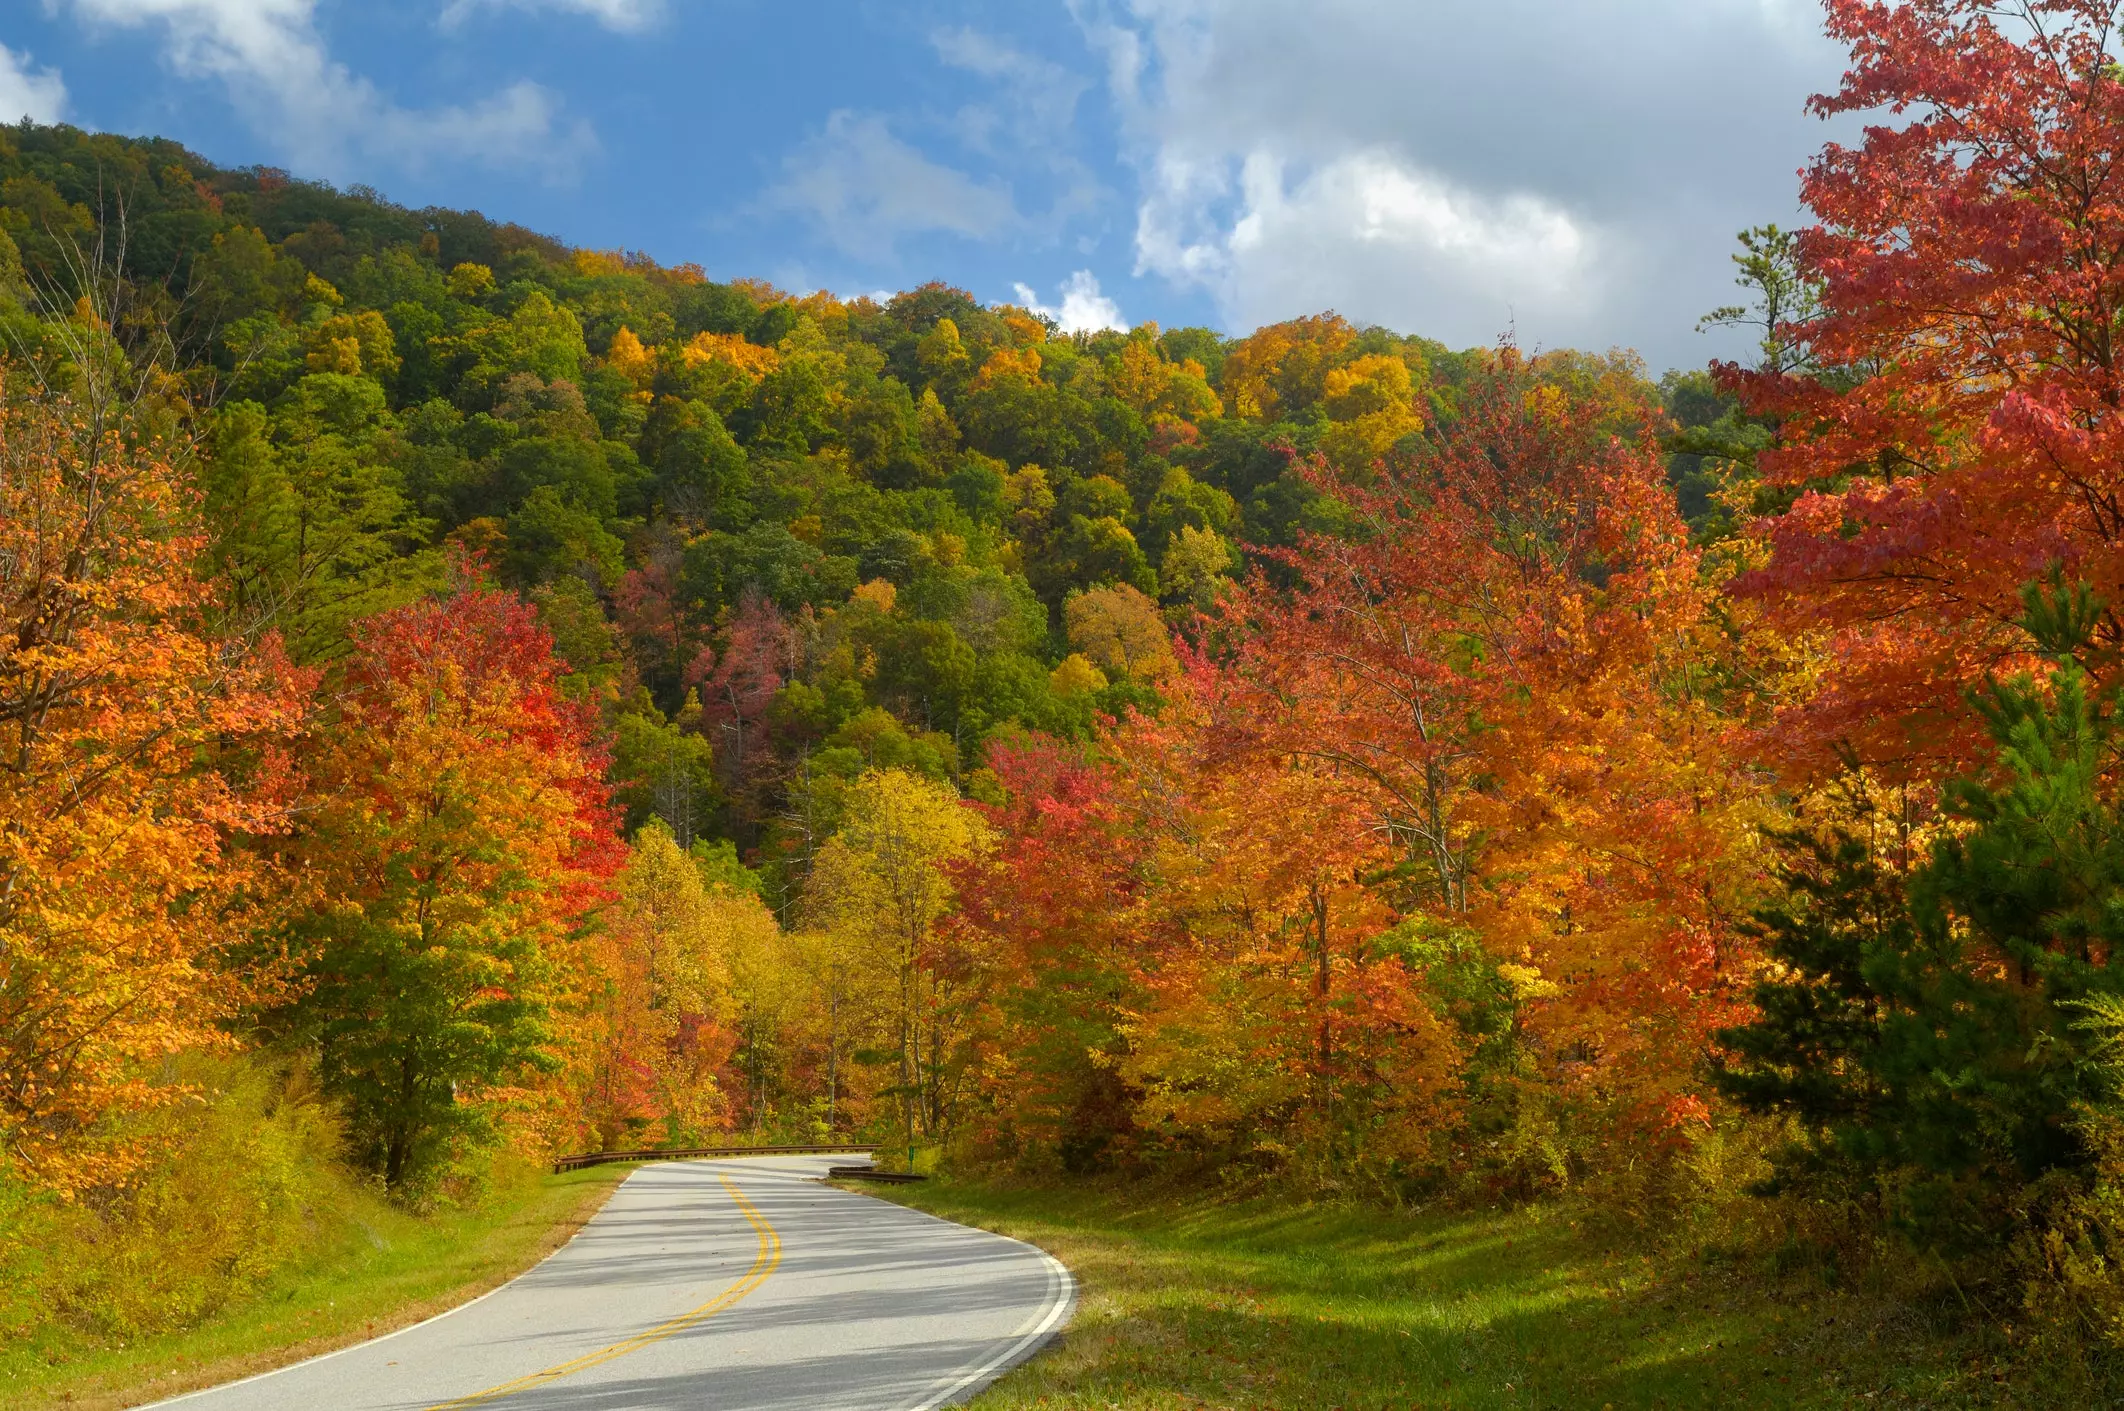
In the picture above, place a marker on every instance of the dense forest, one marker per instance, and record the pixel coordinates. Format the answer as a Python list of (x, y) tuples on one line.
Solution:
[(464, 694)]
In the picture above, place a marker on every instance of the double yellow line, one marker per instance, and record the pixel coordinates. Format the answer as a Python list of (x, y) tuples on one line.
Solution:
[(763, 1264)]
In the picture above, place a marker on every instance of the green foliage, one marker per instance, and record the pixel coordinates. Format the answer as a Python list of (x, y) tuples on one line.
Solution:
[(662, 770), (1927, 1033)]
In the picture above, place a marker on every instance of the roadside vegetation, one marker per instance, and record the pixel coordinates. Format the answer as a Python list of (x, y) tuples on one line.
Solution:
[(249, 1249), (1219, 1299)]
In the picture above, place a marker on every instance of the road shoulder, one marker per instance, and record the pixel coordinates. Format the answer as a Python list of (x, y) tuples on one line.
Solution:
[(431, 1267)]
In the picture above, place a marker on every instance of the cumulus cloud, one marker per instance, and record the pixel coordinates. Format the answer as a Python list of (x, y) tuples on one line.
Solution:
[(623, 16), (1576, 168), (270, 58), (861, 188), (1083, 309), (39, 95)]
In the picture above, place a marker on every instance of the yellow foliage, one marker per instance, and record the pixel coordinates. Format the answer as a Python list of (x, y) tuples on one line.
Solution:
[(760, 292), (470, 281), (1198, 563), (1007, 365), (1373, 383), (1189, 396), (1371, 404), (882, 883), (1281, 370), (1119, 629), (729, 350), (1027, 500), (1076, 676), (822, 308), (630, 359), (592, 263), (352, 344), (879, 593), (1025, 330), (1141, 376), (239, 1179), (941, 354)]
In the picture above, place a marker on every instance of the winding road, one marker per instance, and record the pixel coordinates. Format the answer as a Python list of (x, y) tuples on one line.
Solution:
[(730, 1285)]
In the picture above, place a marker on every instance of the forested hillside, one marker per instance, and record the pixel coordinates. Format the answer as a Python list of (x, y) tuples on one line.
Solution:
[(467, 695), (779, 548)]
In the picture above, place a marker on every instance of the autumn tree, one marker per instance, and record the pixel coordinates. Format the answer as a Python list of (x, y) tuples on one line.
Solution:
[(457, 832), (1516, 655), (1949, 411), (1926, 1029), (1054, 899), (135, 738), (883, 882), (659, 996), (1272, 1007), (1119, 630)]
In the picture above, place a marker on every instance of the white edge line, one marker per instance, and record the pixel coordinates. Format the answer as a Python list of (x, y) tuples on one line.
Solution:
[(1058, 1276), (396, 1332), (447, 1312), (1032, 1341), (1062, 1291)]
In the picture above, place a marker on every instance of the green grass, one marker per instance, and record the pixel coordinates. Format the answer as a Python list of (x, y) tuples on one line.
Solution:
[(381, 1269), (1196, 1301)]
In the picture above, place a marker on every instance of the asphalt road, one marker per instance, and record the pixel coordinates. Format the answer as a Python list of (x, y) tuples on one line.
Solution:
[(732, 1285)]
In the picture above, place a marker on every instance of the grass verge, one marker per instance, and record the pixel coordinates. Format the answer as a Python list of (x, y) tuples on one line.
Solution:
[(1200, 1301), (387, 1270)]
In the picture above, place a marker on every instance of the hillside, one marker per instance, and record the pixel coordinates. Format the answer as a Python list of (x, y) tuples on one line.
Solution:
[(694, 479)]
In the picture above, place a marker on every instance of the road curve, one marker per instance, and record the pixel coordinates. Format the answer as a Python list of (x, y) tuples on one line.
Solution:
[(734, 1285)]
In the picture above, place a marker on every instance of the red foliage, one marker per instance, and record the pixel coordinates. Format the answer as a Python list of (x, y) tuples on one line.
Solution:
[(1965, 433)]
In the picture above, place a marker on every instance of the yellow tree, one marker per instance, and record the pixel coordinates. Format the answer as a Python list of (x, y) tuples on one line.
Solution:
[(1371, 404), (883, 882), (1120, 631), (660, 997)]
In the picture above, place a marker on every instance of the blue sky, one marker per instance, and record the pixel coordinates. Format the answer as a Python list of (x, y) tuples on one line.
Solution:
[(1571, 170)]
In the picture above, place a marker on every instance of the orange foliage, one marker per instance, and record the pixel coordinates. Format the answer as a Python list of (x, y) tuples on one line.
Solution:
[(135, 740), (457, 834), (1516, 661), (1008, 365)]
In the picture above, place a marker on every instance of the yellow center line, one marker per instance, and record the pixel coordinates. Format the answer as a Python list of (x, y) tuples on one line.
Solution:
[(764, 1264)]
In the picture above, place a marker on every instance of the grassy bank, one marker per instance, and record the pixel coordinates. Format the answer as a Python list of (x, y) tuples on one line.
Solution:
[(1192, 1301), (375, 1268)]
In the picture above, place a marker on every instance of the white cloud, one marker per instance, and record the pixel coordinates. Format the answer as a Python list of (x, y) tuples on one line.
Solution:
[(622, 16), (1037, 98), (1084, 309), (862, 188), (40, 95), (1576, 168), (272, 61), (1028, 121), (1410, 248)]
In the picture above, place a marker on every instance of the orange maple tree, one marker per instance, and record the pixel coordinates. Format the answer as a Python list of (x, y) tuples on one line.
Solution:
[(135, 738), (1513, 664)]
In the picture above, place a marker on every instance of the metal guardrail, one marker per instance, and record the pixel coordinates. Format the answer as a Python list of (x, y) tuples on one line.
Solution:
[(872, 1173), (607, 1158)]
